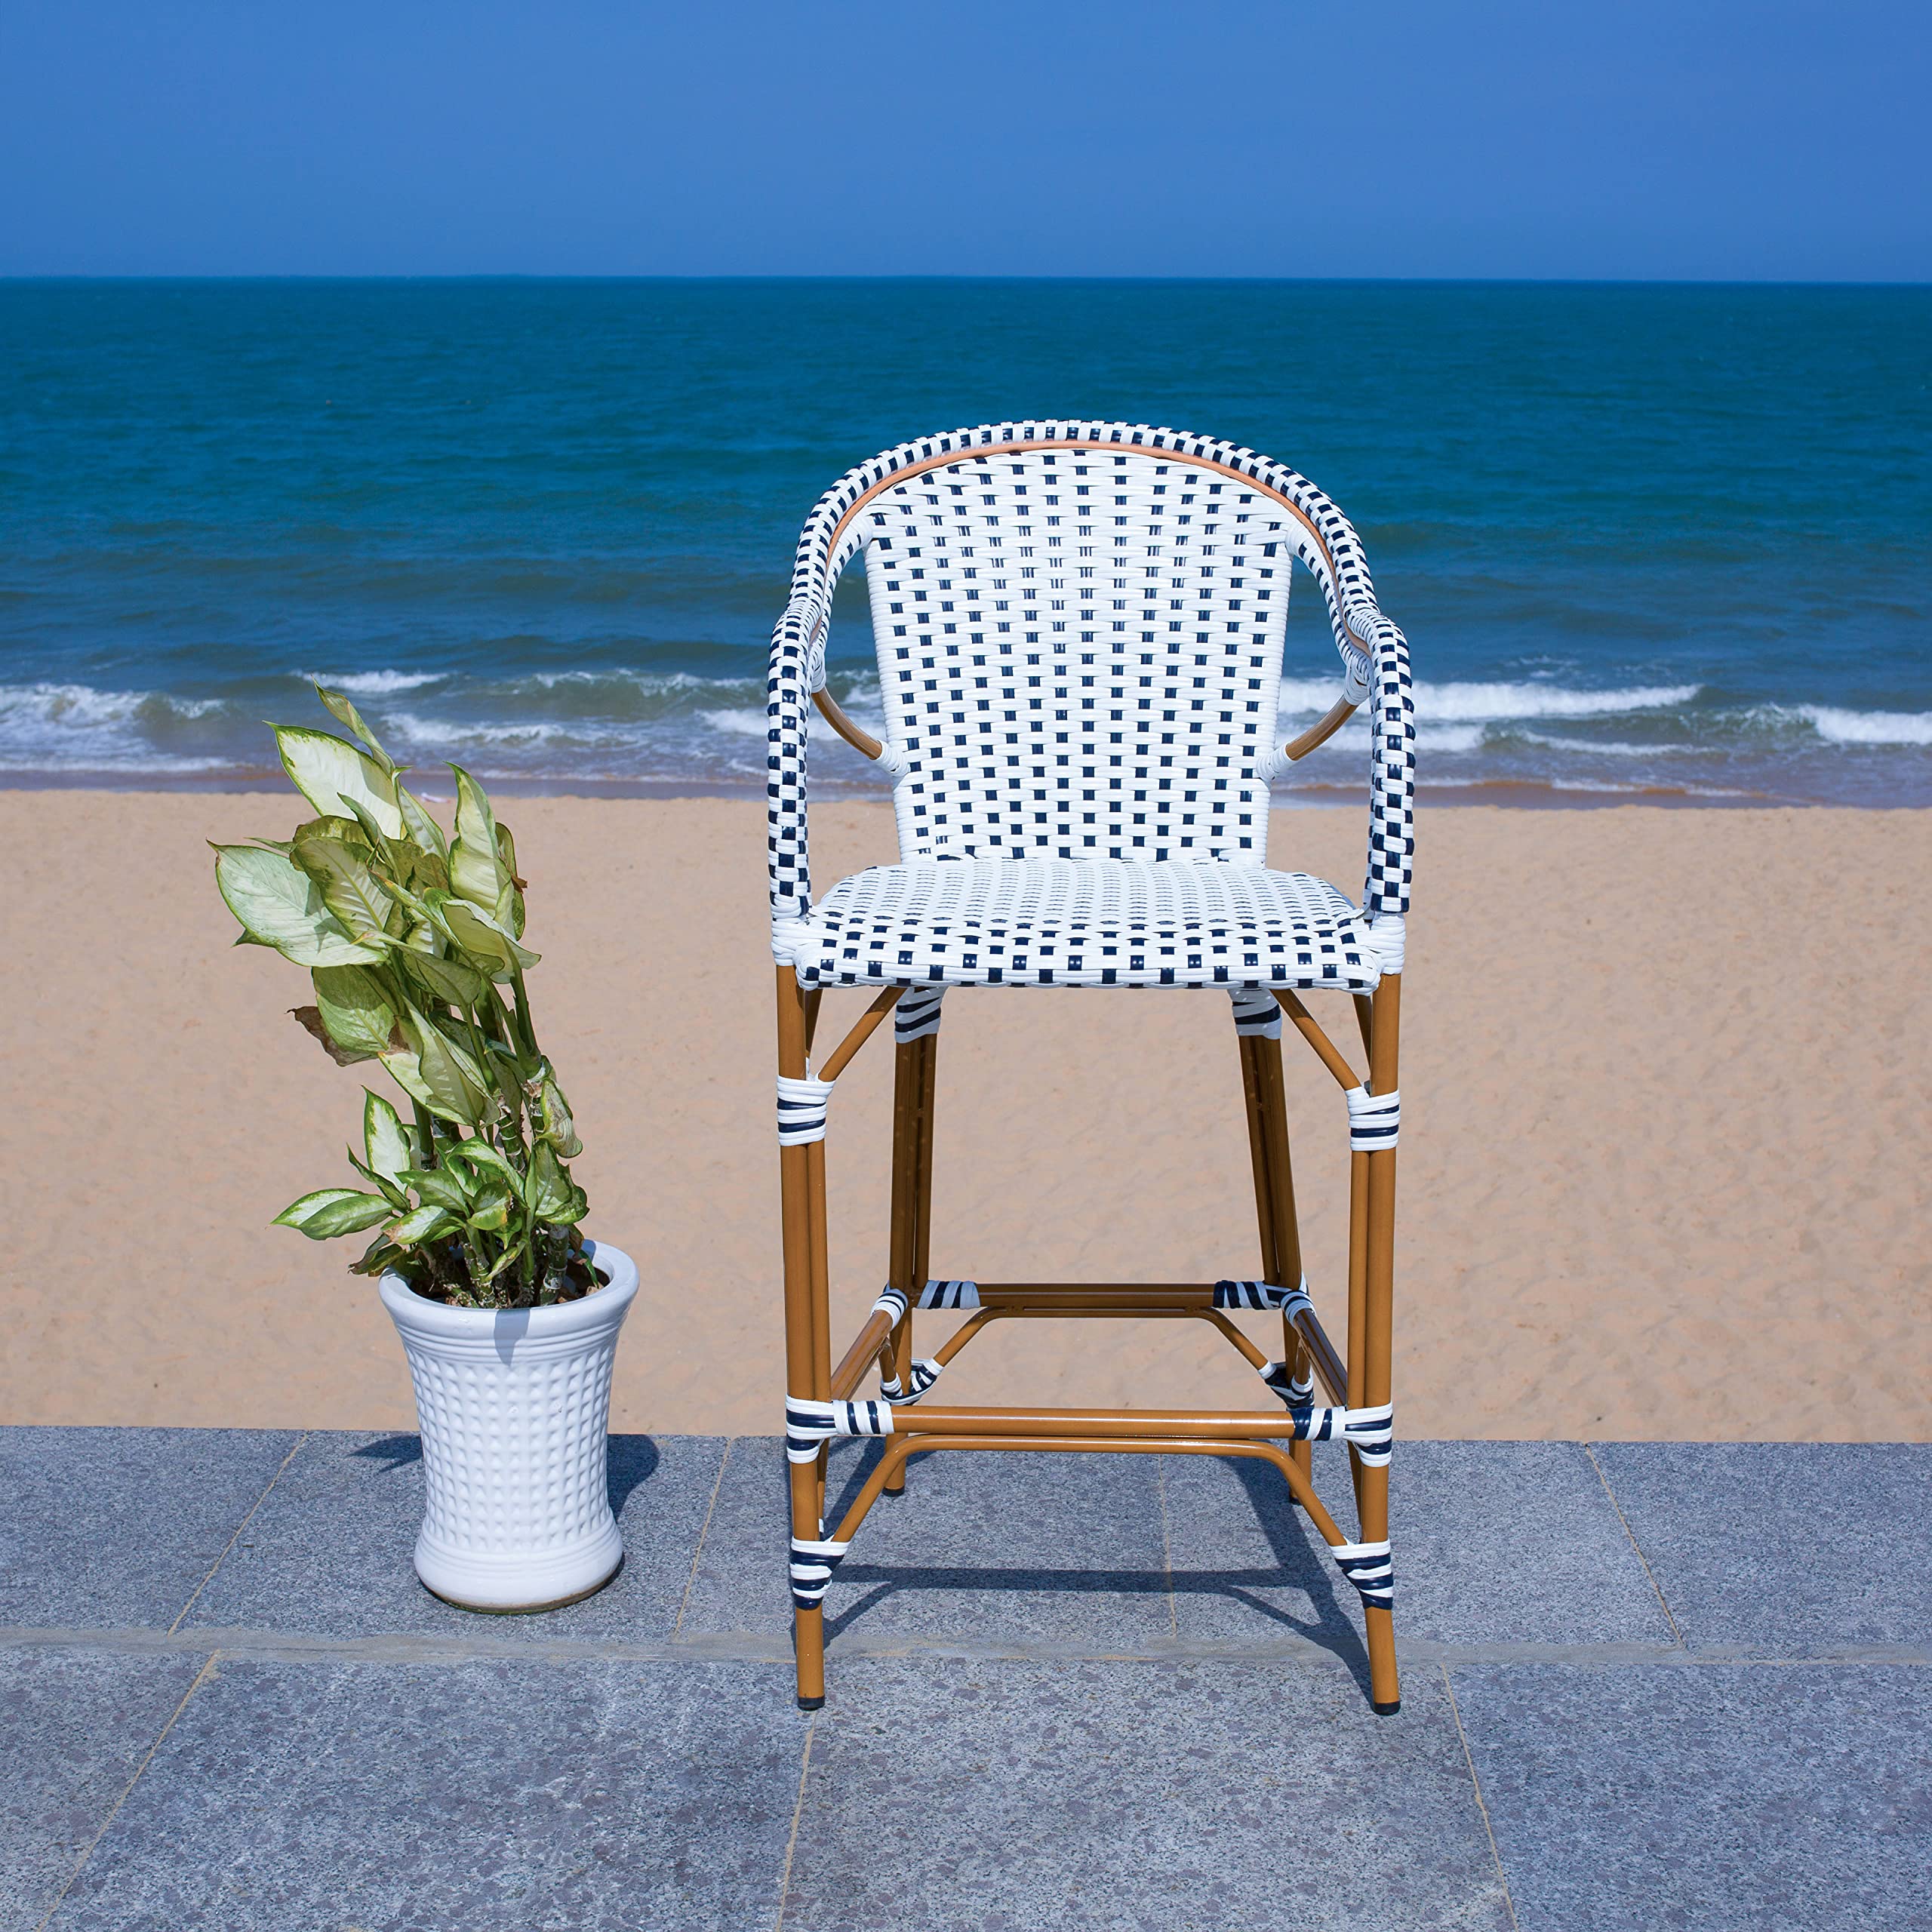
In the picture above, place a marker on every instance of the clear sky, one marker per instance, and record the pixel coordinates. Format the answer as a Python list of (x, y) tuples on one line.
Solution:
[(1568, 138)]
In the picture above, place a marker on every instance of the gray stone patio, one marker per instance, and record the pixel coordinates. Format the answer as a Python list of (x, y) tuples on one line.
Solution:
[(1644, 1684)]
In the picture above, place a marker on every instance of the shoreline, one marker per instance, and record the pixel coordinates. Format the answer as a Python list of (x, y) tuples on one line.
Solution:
[(1511, 794)]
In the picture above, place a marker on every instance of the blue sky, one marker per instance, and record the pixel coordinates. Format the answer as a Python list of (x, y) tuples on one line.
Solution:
[(1480, 138)]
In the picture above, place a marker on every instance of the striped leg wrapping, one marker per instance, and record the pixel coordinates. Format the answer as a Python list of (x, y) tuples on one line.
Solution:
[(1375, 1120), (810, 1426), (892, 1302), (801, 1105), (1297, 1391), (949, 1294), (1257, 1012), (1368, 1566), (812, 1566), (1370, 1433), (917, 1014), (919, 1377), (1263, 1294)]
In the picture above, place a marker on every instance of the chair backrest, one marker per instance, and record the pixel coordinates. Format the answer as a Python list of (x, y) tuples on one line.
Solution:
[(1079, 628)]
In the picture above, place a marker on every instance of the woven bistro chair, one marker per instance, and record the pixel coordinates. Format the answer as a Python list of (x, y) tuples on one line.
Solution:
[(1080, 628)]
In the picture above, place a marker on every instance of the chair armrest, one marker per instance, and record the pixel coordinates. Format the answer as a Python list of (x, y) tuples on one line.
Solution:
[(1391, 779)]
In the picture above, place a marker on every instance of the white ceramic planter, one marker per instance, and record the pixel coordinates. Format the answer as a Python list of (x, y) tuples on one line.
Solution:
[(515, 1410)]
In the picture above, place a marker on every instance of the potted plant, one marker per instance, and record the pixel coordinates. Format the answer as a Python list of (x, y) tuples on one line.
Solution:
[(414, 941)]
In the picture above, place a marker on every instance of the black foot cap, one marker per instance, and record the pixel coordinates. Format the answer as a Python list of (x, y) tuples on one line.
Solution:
[(818, 1704), (1382, 1710)]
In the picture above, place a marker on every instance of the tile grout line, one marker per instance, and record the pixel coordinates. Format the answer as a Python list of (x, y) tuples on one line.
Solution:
[(798, 1813), (200, 1677), (1663, 1602), (1475, 1784), (423, 1648), (691, 1582), (1167, 1548), (195, 1597)]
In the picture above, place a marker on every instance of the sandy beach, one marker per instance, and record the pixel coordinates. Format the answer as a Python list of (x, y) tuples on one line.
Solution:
[(1666, 1166)]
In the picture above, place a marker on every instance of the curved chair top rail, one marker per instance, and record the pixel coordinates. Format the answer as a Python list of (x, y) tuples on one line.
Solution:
[(1374, 655)]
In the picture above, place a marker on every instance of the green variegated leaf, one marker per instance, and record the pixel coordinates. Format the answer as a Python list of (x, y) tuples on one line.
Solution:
[(343, 709), (309, 1019), (447, 980), (328, 771), (280, 905), (491, 1213), (477, 935), (426, 1224), (401, 1068), (559, 1129), (504, 1260), (480, 1157), (398, 1201), (359, 1015), (476, 872), (508, 911), (457, 1092), (380, 1254), (442, 1186), (386, 1141), (350, 888), (334, 1210), (384, 849), (423, 829), (429, 872), (549, 1193)]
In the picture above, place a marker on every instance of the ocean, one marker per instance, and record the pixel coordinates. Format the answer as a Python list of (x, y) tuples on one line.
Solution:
[(1671, 542)]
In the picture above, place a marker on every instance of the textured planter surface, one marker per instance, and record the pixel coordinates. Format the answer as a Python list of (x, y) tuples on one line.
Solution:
[(515, 1410)]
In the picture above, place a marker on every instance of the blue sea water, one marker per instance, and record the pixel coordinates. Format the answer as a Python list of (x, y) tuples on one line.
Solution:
[(1672, 540)]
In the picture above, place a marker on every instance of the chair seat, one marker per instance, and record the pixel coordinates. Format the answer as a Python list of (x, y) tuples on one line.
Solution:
[(1085, 922)]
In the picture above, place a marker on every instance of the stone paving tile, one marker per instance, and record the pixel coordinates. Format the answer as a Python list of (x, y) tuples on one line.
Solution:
[(585, 1797), (108, 1528), (982, 1547), (1494, 1542), (976, 1796), (329, 1552), (1782, 1548), (1710, 1797), (76, 1725)]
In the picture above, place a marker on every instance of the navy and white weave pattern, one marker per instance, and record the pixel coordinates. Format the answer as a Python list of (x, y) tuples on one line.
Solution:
[(1079, 630)]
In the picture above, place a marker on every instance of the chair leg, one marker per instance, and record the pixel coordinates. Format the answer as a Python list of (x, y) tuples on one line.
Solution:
[(908, 1067), (1266, 1092), (808, 1361), (1378, 1345)]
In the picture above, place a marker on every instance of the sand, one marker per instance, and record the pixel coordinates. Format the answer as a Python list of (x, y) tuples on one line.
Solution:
[(1664, 1164)]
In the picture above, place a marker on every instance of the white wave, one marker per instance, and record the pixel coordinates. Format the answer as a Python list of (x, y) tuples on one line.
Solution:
[(1449, 738), (373, 683), (431, 733), (1496, 703), (78, 728), (1504, 703), (1868, 727), (747, 723)]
